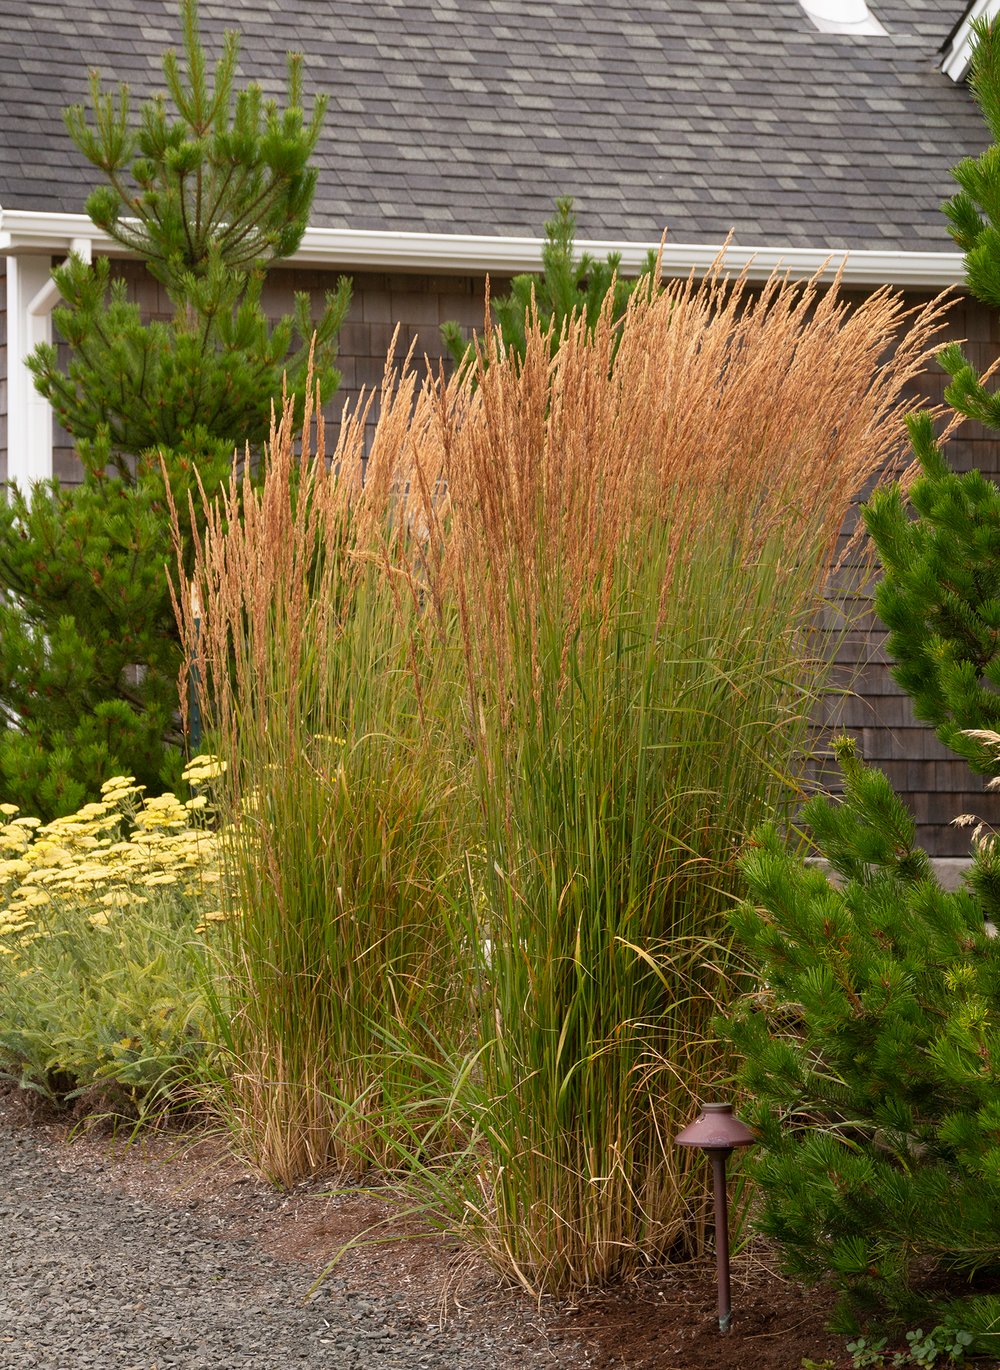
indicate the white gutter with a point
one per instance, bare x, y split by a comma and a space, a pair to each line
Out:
28, 231
957, 57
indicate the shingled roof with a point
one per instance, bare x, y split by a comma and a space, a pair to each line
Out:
470, 116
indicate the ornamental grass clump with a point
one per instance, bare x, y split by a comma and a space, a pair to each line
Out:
327, 681
637, 533
499, 716
106, 917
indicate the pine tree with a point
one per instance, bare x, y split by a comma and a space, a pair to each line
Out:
940, 593
207, 188
870, 1034
568, 287
871, 1049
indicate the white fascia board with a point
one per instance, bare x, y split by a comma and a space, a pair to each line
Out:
957, 57
472, 254
28, 231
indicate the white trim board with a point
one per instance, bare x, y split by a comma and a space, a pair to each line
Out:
30, 231
30, 239
29, 418
957, 57
32, 294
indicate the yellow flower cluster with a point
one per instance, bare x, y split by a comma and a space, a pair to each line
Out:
111, 855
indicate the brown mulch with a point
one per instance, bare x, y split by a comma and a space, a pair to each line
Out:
667, 1321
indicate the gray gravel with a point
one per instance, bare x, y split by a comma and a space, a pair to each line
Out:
91, 1277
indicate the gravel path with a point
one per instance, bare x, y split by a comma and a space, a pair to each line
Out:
91, 1277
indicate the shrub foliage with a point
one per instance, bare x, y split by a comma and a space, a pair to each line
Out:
871, 1048
570, 287
207, 194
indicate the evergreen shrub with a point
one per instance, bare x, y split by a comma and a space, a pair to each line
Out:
871, 1049
207, 186
571, 286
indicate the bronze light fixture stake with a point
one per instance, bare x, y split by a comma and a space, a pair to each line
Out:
717, 1132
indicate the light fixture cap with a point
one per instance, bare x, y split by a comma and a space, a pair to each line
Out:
718, 1129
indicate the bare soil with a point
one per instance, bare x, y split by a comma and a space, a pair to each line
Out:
667, 1321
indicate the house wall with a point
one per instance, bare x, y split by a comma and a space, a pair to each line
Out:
935, 784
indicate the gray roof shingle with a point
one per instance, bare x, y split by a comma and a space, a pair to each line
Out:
470, 116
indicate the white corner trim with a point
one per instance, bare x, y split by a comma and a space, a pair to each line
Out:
32, 295
30, 299
28, 231
957, 53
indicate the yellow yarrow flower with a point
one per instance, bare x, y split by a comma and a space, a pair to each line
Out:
203, 768
117, 782
118, 898
100, 860
14, 923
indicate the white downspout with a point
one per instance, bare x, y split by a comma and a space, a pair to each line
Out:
32, 294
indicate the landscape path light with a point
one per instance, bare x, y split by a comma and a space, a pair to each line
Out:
718, 1132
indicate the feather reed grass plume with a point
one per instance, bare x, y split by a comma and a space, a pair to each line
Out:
769, 407
637, 533
323, 679
499, 715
